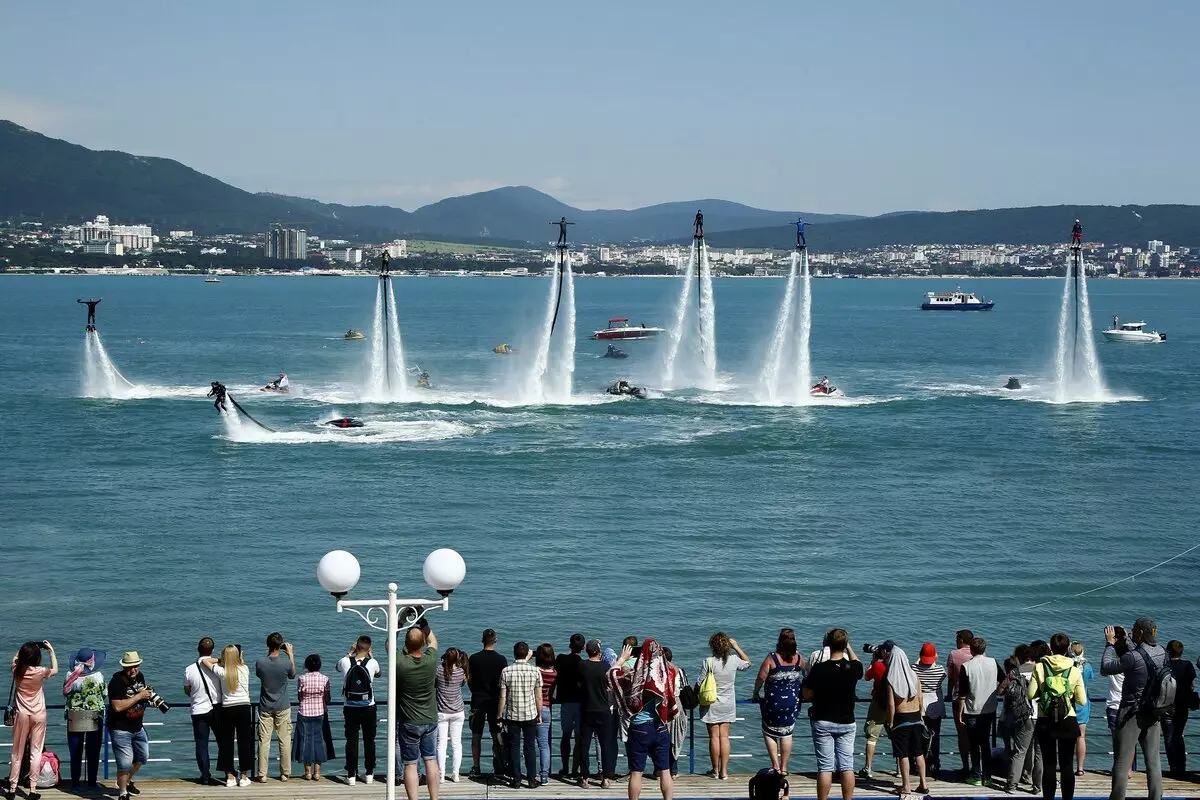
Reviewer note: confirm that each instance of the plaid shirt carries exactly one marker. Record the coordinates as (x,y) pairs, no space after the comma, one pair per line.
(522,683)
(312,694)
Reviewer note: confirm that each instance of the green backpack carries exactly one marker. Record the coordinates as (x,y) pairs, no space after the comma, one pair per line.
(1054,701)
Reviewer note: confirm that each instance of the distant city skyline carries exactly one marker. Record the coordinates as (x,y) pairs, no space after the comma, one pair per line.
(863,108)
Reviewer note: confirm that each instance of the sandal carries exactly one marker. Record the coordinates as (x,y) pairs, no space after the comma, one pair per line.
(922,790)
(1079,773)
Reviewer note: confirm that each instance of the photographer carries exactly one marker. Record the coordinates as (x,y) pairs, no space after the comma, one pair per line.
(1132,725)
(128,696)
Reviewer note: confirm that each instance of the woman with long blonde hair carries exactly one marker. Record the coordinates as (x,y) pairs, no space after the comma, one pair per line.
(235,717)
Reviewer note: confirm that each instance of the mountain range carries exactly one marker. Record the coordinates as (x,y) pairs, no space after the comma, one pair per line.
(55,181)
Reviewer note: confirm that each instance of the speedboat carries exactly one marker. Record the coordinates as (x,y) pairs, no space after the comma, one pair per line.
(1133,332)
(619,328)
(623,387)
(958,300)
(614,352)
(353,335)
(345,422)
(212,280)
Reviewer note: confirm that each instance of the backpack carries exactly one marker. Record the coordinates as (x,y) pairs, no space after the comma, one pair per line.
(1055,697)
(1158,695)
(48,773)
(358,681)
(768,785)
(707,693)
(689,697)
(1017,707)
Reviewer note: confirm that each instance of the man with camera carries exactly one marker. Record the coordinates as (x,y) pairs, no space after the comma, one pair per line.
(275,705)
(204,690)
(1135,723)
(128,696)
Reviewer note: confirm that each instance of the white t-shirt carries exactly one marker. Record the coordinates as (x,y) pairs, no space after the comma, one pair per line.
(283,382)
(1116,683)
(240,697)
(204,688)
(343,667)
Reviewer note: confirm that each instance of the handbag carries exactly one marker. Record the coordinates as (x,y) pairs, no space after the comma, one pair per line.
(82,721)
(10,710)
(708,687)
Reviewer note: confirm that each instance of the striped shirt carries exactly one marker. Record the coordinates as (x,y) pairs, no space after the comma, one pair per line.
(522,684)
(449,691)
(931,677)
(549,676)
(312,694)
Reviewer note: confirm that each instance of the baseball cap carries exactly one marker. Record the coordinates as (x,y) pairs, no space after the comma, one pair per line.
(928,653)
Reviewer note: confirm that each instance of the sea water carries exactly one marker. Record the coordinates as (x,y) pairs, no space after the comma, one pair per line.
(931,500)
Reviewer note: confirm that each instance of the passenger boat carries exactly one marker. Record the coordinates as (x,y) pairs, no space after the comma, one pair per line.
(958,300)
(212,280)
(1133,332)
(619,328)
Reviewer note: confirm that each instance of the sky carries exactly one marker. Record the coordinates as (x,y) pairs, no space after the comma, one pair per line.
(841,107)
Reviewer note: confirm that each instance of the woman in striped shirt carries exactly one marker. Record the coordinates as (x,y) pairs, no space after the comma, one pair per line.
(932,675)
(309,746)
(544,658)
(453,672)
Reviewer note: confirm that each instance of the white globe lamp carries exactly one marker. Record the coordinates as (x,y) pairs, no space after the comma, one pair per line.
(444,570)
(338,572)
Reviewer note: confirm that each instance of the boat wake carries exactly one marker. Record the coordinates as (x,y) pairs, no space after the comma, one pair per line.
(372,432)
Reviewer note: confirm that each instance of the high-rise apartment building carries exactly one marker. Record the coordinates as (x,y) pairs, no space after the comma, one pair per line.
(287,243)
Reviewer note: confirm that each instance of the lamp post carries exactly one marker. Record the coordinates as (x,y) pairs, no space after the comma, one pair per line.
(338,572)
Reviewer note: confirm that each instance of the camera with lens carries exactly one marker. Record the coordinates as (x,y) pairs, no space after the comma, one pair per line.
(879,650)
(156,700)
(870,648)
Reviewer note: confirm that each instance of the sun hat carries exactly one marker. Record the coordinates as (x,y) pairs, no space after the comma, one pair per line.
(87,654)
(130,659)
(928,653)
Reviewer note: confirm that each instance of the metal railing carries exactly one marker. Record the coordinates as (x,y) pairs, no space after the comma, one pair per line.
(172,745)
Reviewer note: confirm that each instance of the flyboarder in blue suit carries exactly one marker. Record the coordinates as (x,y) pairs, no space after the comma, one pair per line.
(801,243)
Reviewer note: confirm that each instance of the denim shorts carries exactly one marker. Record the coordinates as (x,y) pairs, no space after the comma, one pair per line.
(833,744)
(648,739)
(417,742)
(129,748)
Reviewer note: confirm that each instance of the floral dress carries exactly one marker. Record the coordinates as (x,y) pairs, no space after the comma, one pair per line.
(781,698)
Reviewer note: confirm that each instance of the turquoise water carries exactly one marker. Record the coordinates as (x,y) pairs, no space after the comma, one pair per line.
(928,501)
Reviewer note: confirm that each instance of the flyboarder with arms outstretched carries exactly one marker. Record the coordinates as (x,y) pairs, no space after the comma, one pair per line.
(91,303)
(1077,234)
(698,232)
(562,231)
(801,243)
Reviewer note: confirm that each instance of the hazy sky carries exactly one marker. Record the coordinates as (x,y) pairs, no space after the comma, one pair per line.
(851,106)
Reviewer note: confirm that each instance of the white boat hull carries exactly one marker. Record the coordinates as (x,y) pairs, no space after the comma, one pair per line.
(1134,337)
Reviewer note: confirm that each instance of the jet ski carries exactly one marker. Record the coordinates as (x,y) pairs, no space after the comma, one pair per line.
(623,387)
(274,388)
(824,388)
(504,350)
(423,381)
(614,352)
(345,422)
(353,335)
(1013,383)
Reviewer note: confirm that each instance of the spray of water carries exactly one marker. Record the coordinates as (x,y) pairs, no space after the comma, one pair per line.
(562,369)
(676,334)
(690,357)
(1076,366)
(708,322)
(770,377)
(101,377)
(386,376)
(804,376)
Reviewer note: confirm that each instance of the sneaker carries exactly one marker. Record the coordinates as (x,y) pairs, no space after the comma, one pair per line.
(973,781)
(454,778)
(474,772)
(121,796)
(231,782)
(34,796)
(284,778)
(349,780)
(864,773)
(244,782)
(132,788)
(368,778)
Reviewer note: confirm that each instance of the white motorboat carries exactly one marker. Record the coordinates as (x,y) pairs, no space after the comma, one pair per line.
(620,329)
(1132,332)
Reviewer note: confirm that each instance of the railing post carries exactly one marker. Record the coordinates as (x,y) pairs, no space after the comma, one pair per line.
(692,742)
(104,740)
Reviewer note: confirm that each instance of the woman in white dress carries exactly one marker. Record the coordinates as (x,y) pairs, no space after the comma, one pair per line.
(727,659)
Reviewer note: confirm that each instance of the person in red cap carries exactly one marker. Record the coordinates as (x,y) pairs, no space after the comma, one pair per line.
(932,675)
